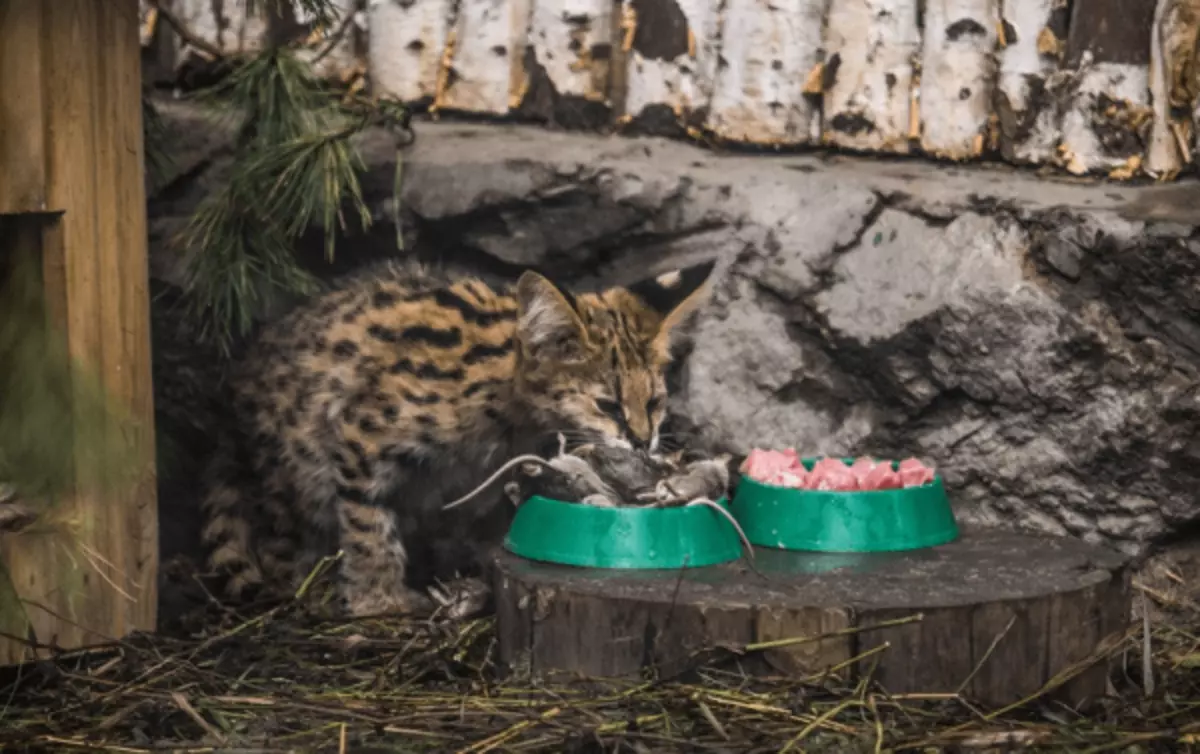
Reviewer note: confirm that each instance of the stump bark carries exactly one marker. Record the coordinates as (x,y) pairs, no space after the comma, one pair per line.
(995,615)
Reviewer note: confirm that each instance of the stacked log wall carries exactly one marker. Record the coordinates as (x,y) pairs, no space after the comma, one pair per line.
(1100,88)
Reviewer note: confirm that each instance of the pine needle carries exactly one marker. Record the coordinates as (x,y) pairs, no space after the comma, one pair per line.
(294,168)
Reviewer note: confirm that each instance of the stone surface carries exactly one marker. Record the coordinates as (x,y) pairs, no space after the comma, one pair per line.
(1037,339)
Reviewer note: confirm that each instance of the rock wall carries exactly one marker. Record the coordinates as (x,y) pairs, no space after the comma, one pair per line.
(1038,340)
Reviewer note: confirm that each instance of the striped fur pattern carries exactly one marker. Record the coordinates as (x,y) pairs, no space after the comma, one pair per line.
(362,413)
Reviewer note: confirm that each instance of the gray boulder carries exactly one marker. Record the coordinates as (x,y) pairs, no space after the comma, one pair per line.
(1037,340)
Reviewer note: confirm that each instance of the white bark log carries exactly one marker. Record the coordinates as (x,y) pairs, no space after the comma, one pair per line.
(228,26)
(407,41)
(1028,114)
(768,47)
(347,59)
(684,84)
(958,74)
(484,68)
(564,35)
(1111,101)
(1173,85)
(870,47)
(147,22)
(1162,153)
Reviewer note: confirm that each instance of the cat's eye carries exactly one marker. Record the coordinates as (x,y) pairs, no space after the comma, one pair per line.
(610,407)
(654,404)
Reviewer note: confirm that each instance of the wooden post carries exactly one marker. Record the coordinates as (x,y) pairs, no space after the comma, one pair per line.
(83,57)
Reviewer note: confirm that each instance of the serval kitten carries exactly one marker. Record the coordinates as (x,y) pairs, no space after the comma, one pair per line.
(358,416)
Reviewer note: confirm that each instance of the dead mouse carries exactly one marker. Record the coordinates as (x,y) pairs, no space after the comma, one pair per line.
(629,473)
(708,478)
(563,477)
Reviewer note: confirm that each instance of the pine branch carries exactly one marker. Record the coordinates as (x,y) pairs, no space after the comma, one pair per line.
(186,34)
(332,41)
(294,168)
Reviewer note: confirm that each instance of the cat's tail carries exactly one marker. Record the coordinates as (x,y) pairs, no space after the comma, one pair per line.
(227,535)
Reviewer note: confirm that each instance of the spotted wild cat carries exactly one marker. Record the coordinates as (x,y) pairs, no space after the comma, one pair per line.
(359,415)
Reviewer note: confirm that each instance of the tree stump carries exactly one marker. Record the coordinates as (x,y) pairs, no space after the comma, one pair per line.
(994,615)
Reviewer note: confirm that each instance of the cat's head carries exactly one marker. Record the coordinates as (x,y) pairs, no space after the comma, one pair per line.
(593,365)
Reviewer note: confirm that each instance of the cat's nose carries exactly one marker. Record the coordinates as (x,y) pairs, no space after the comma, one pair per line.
(639,443)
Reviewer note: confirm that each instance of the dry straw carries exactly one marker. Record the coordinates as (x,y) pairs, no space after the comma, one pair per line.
(291,679)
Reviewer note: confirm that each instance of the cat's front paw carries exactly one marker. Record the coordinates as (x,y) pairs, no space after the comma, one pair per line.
(462,598)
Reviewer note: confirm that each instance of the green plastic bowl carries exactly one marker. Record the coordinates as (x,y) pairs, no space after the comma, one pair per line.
(825,521)
(553,531)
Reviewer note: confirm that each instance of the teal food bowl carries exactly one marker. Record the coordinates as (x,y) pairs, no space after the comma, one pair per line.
(553,531)
(827,521)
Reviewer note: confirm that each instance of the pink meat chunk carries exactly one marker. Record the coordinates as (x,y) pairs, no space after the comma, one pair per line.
(832,474)
(913,473)
(779,468)
(782,468)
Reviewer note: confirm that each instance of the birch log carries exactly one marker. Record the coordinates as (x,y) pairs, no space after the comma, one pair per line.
(483,68)
(407,40)
(871,46)
(233,26)
(1106,126)
(671,49)
(147,22)
(1026,105)
(346,59)
(958,74)
(1173,85)
(572,43)
(768,48)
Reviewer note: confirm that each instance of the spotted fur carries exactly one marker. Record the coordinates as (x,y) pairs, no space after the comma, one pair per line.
(362,413)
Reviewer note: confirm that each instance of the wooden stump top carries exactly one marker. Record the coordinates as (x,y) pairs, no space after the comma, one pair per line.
(1044,603)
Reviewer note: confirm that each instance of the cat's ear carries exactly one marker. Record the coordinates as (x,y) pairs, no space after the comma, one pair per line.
(675,296)
(548,323)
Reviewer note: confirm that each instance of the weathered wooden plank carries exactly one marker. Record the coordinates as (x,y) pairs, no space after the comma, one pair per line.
(1026,106)
(109,152)
(671,48)
(768,48)
(1173,86)
(132,505)
(407,44)
(29,564)
(958,74)
(48,582)
(88,575)
(22,126)
(1105,127)
(483,70)
(867,78)
(571,49)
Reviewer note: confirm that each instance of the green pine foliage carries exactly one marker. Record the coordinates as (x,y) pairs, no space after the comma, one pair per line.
(295,167)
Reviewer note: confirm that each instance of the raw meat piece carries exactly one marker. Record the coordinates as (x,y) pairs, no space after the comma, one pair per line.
(882,477)
(913,473)
(832,474)
(861,468)
(780,468)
